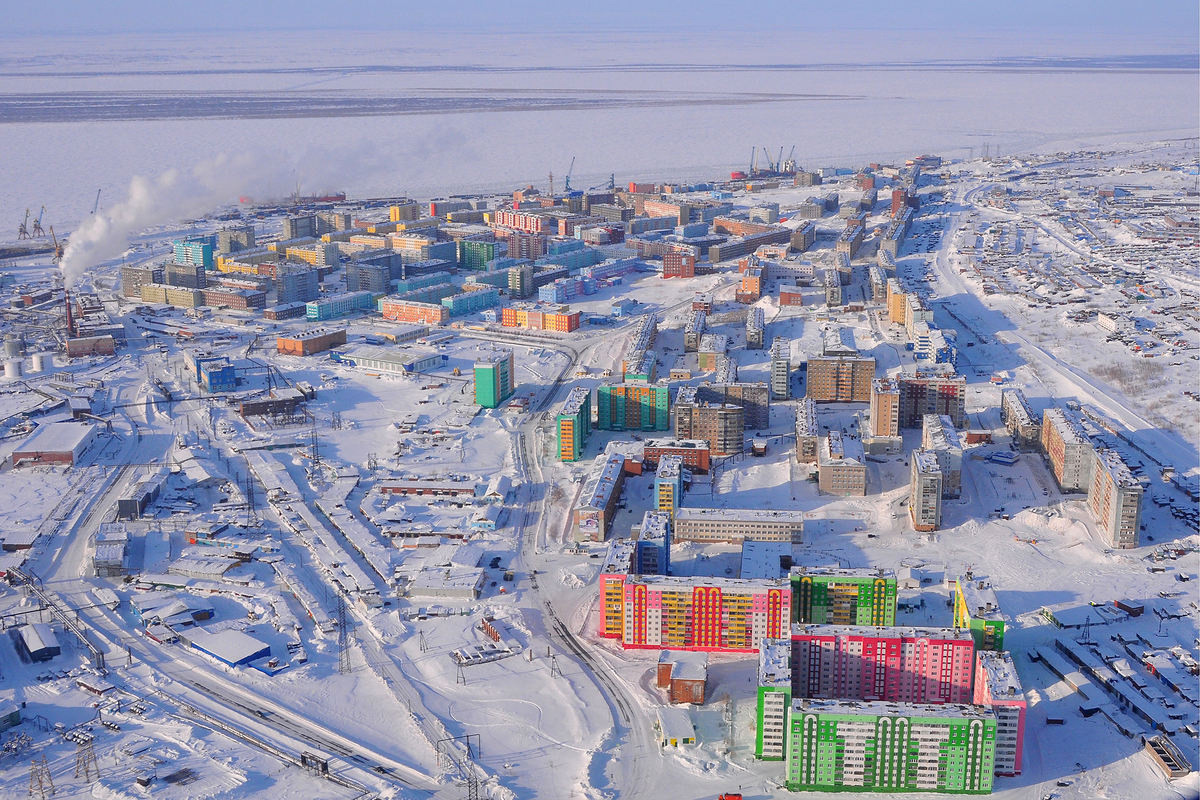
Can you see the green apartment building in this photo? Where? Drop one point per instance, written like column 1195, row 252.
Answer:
column 494, row 379
column 850, row 746
column 633, row 407
column 574, row 423
column 476, row 255
column 977, row 610
column 774, row 698
column 831, row 596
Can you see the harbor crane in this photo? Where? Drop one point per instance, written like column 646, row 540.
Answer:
column 22, row 229
column 59, row 247
column 38, row 230
column 567, row 182
column 767, row 155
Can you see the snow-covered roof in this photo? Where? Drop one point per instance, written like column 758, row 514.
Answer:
column 230, row 646
column 56, row 437
column 775, row 663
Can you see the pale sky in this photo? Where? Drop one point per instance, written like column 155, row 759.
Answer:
column 1144, row 26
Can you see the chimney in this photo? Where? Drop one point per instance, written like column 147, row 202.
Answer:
column 70, row 318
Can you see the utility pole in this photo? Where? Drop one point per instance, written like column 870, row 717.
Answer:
column 343, row 637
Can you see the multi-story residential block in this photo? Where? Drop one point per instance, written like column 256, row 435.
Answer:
column 977, row 610
column 679, row 265
column 668, row 484
column 781, row 368
column 133, row 278
column 694, row 331
column 998, row 687
column 713, row 347
column 185, row 276
column 396, row 309
column 939, row 437
column 722, row 426
column 756, row 329
column 932, row 391
column 574, row 423
column 1115, row 500
column 694, row 453
column 301, row 226
column 808, row 431
column 803, row 237
column 897, row 302
column 592, row 518
column 495, row 376
column 232, row 240
column 297, row 285
column 850, row 241
column 832, row 284
column 633, row 407
column 839, row 745
column 472, row 301
column 841, row 469
column 895, row 664
column 883, row 424
column 753, row 398
column 774, row 698
column 736, row 525
column 1068, row 449
column 877, row 280
column 339, row 306
column 194, row 251
column 707, row 614
column 653, row 551
column 925, row 491
column 834, row 596
column 840, row 379
column 1019, row 419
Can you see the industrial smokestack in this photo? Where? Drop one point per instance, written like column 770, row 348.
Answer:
column 70, row 317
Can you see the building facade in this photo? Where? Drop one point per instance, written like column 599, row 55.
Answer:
column 1115, row 500
column 840, row 379
column 494, row 379
column 832, row 596
column 633, row 407
column 1068, row 450
column 735, row 525
column 574, row 424
column 998, row 687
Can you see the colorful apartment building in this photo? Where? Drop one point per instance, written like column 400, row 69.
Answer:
column 668, row 485
column 339, row 306
column 1115, row 500
column 998, row 687
column 833, row 596
column 495, row 379
column 412, row 311
column 633, row 407
column 693, row 452
column 840, row 379
column 1068, row 450
column 977, row 610
column 838, row 745
column 574, row 423
column 706, row 614
column 896, row 664
column 774, row 699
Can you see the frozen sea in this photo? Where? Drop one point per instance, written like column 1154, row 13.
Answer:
column 429, row 114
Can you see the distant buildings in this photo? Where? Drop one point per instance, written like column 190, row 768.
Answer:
column 494, row 379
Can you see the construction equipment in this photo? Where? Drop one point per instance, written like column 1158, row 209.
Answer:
column 96, row 205
column 38, row 230
column 22, row 230
column 59, row 247
column 767, row 155
column 567, row 182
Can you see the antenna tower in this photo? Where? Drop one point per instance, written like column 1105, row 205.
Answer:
column 343, row 637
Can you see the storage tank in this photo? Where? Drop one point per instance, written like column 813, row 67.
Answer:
column 39, row 362
column 12, row 369
column 12, row 346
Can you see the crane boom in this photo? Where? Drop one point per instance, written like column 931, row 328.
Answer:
column 96, row 205
column 570, row 169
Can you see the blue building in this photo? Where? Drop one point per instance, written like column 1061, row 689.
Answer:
column 339, row 306
column 216, row 375
column 623, row 308
column 194, row 251
column 653, row 554
column 230, row 647
column 471, row 302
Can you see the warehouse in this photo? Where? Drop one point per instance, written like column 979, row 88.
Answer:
column 314, row 340
column 231, row 648
column 398, row 361
column 55, row 443
column 35, row 642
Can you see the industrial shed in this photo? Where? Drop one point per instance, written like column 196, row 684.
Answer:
column 230, row 647
column 35, row 642
column 55, row 443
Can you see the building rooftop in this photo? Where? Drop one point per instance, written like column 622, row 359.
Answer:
column 775, row 663
column 873, row 632
column 1111, row 461
column 685, row 666
column 925, row 462
column 885, row 386
column 1068, row 426
column 600, row 485
column 669, row 467
column 56, row 437
column 679, row 444
column 740, row 515
column 806, row 418
column 980, row 599
column 1001, row 675
column 655, row 527
column 575, row 400
column 618, row 560
column 876, row 708
column 781, row 348
column 229, row 645
column 942, row 435
column 842, row 572
column 668, row 583
column 488, row 359
column 714, row 343
column 765, row 560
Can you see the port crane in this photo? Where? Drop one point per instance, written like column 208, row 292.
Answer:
column 59, row 247
column 22, row 229
column 567, row 181
column 38, row 230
